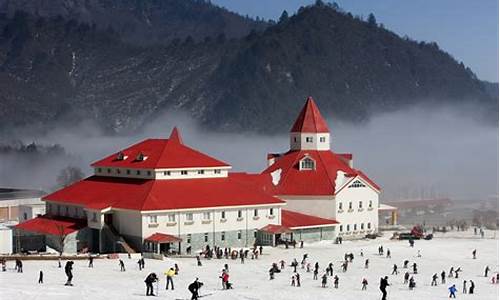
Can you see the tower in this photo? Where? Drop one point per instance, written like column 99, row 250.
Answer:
column 310, row 130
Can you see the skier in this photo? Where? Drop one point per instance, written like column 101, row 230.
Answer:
column 452, row 290
column 415, row 268
column 176, row 267
column 336, row 282
column 149, row 283
column 301, row 244
column 486, row 270
column 412, row 283
column 383, row 287
column 472, row 286
column 434, row 279
column 407, row 275
column 366, row 263
column 456, row 272
column 315, row 274
column 170, row 273
column 19, row 265
column 394, row 269
column 405, row 264
column 68, row 268
column 412, row 242
column 139, row 263
column 91, row 261
column 323, row 280
column 260, row 250
column 388, row 253
column 474, row 254
column 4, row 265
column 225, row 281
column 361, row 253
column 198, row 261
column 271, row 274
column 297, row 278
column 464, row 289
column 293, row 280
column 451, row 272
column 308, row 267
column 330, row 269
column 194, row 288
column 122, row 265
column 40, row 277
column 419, row 254
column 443, row 277
column 364, row 283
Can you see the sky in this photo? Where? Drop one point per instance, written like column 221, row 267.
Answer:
column 468, row 30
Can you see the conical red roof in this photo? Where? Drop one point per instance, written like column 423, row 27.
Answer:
column 310, row 119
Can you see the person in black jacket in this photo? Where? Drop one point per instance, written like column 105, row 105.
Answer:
column 40, row 277
column 194, row 288
column 383, row 287
column 68, row 268
column 149, row 283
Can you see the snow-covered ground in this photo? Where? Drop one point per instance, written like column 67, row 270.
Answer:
column 251, row 279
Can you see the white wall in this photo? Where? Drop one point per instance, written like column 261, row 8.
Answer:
column 312, row 205
column 298, row 141
column 199, row 225
column 128, row 222
column 5, row 240
column 208, row 172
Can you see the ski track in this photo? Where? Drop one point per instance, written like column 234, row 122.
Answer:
column 251, row 280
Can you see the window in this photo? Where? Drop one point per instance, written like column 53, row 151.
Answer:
column 85, row 214
column 357, row 184
column 369, row 225
column 118, row 171
column 67, row 211
column 255, row 233
column 322, row 139
column 340, row 205
column 222, row 214
column 201, row 172
column 99, row 170
column 189, row 216
column 309, row 139
column 348, row 227
column 128, row 172
column 240, row 214
column 94, row 217
column 370, row 204
column 153, row 219
column 188, row 239
column 360, row 204
column 355, row 227
column 25, row 215
column 362, row 226
column 138, row 172
column 183, row 172
column 109, row 171
column 76, row 212
column 341, row 228
column 217, row 171
column 171, row 217
column 295, row 139
column 350, row 205
column 255, row 212
column 49, row 208
column 239, row 234
column 307, row 164
column 58, row 210
column 166, row 173
column 149, row 173
column 206, row 237
column 206, row 216
column 271, row 212
column 222, row 236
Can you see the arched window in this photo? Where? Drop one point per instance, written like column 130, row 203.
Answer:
column 357, row 184
column 307, row 163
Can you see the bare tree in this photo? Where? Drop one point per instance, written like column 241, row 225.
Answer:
column 61, row 235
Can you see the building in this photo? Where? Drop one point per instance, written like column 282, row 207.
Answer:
column 157, row 195
column 314, row 180
column 160, row 195
column 12, row 199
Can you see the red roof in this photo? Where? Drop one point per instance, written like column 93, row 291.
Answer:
column 146, row 194
column 310, row 119
column 162, row 238
column 320, row 181
column 275, row 229
column 160, row 153
column 53, row 225
column 295, row 220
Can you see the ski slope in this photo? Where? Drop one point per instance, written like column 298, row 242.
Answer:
column 251, row 279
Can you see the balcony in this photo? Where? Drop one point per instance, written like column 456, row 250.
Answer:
column 206, row 221
column 153, row 225
column 239, row 219
column 271, row 216
column 171, row 223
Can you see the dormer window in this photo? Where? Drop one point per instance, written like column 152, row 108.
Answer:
column 141, row 157
column 307, row 164
column 121, row 156
column 322, row 139
column 216, row 171
column 309, row 139
column 184, row 172
column 201, row 172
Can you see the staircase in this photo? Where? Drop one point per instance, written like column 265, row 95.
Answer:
column 115, row 237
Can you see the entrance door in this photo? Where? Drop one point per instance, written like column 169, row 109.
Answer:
column 108, row 219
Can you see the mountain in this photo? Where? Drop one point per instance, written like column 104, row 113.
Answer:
column 143, row 22
column 59, row 68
